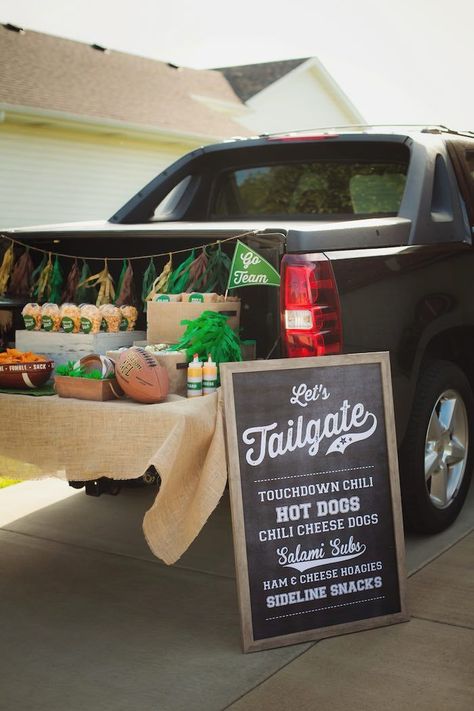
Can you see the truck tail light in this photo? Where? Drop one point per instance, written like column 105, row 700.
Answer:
column 311, row 314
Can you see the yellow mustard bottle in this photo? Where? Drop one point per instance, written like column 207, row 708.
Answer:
column 209, row 377
column 194, row 388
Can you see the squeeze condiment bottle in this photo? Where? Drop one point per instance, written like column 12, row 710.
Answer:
column 209, row 376
column 195, row 377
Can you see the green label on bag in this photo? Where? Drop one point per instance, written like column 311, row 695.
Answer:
column 104, row 326
column 67, row 324
column 47, row 323
column 163, row 297
column 123, row 324
column 86, row 325
column 30, row 322
column 196, row 299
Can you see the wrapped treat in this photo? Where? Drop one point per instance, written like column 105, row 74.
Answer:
column 111, row 318
column 129, row 318
column 50, row 320
column 91, row 318
column 70, row 316
column 32, row 316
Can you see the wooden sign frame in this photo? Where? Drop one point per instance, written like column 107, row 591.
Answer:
column 248, row 379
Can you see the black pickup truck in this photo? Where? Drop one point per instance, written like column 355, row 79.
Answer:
column 372, row 232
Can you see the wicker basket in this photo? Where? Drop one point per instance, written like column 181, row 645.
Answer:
column 87, row 388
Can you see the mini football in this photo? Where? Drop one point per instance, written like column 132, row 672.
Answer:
column 22, row 376
column 141, row 377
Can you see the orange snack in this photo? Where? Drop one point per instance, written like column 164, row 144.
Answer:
column 12, row 355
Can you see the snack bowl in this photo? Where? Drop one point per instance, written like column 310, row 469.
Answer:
column 21, row 376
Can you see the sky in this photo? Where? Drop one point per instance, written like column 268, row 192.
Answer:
column 404, row 62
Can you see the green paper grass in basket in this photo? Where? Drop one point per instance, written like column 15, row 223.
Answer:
column 73, row 370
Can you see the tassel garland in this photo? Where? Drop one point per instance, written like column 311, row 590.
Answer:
column 198, row 273
column 160, row 285
column 121, row 276
column 6, row 269
column 42, row 287
column 218, row 268
column 21, row 280
column 148, row 281
column 179, row 279
column 126, row 293
column 105, row 283
column 56, row 283
column 85, row 293
column 72, row 282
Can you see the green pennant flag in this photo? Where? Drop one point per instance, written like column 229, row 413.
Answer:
column 248, row 268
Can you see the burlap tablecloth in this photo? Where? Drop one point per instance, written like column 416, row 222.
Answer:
column 83, row 440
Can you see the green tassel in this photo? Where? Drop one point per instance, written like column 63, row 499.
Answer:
column 218, row 268
column 122, row 274
column 85, row 294
column 179, row 279
column 36, row 274
column 148, row 280
column 56, row 283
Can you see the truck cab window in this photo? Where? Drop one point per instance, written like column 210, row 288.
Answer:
column 342, row 188
column 173, row 202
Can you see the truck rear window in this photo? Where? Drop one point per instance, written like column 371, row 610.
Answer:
column 319, row 188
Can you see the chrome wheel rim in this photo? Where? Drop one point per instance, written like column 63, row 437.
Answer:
column 446, row 448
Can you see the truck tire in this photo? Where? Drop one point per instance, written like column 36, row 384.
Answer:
column 436, row 456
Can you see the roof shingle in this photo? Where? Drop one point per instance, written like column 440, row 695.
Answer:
column 50, row 73
column 248, row 79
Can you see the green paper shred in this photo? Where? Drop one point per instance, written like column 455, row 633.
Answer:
column 73, row 370
column 70, row 369
column 210, row 334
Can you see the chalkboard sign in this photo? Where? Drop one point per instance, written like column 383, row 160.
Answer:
column 314, row 496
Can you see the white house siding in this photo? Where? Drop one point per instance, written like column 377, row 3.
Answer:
column 303, row 99
column 51, row 175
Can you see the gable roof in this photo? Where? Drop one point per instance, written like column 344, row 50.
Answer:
column 249, row 79
column 50, row 73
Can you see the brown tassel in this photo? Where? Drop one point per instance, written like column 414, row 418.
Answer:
column 127, row 295
column 21, row 281
column 72, row 283
column 6, row 268
column 197, row 273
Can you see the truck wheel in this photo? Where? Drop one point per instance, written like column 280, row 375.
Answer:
column 436, row 457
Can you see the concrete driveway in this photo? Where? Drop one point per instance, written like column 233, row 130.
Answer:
column 90, row 619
